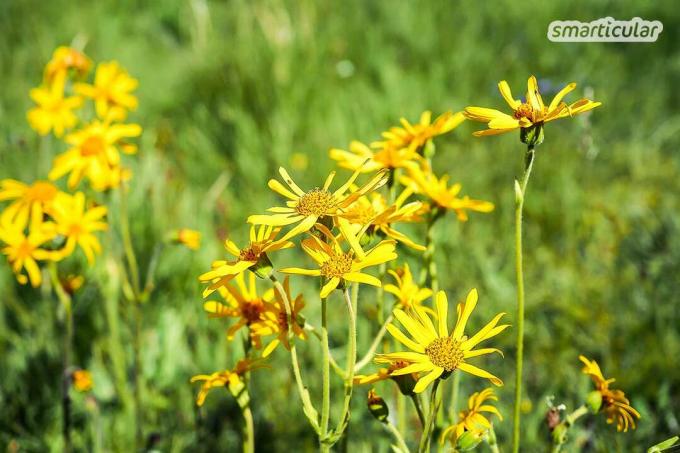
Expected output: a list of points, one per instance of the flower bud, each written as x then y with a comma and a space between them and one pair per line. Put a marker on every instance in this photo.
468, 441
533, 135
263, 267
594, 401
377, 406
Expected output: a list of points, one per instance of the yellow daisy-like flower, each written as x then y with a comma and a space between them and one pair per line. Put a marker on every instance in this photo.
363, 159
262, 240
63, 59
189, 238
615, 405
442, 195
529, 113
77, 224
23, 251
375, 214
436, 351
337, 266
407, 292
95, 155
472, 420
306, 208
54, 111
24, 197
82, 381
243, 303
414, 136
275, 320
112, 89
231, 379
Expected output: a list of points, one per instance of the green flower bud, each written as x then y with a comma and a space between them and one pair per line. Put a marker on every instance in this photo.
264, 267
377, 406
594, 401
468, 441
532, 136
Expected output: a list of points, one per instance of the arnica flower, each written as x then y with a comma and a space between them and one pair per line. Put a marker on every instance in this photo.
614, 403
275, 320
337, 266
231, 379
94, 154
243, 303
188, 238
363, 159
472, 420
63, 59
414, 136
252, 256
531, 112
434, 350
82, 380
407, 291
442, 195
377, 217
23, 251
24, 197
77, 223
306, 208
112, 90
406, 382
53, 110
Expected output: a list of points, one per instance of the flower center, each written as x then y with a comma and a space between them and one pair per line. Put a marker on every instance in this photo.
250, 253
316, 202
41, 191
282, 319
445, 353
24, 250
252, 310
337, 265
524, 111
92, 146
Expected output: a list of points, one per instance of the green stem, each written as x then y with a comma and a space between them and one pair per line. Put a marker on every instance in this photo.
351, 358
520, 195
455, 392
559, 434
366, 359
326, 378
492, 441
397, 436
308, 407
419, 409
67, 345
429, 272
429, 423
336, 368
248, 430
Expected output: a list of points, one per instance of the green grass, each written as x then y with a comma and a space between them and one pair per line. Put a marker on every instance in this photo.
229, 91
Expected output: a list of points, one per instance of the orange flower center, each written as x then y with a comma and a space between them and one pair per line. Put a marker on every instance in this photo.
316, 202
252, 310
24, 250
337, 265
524, 111
41, 191
92, 146
445, 353
250, 253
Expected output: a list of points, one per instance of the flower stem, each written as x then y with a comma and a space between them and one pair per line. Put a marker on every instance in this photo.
560, 431
419, 409
351, 302
429, 423
455, 391
308, 407
248, 430
67, 345
429, 272
326, 378
520, 192
366, 359
397, 436
491, 440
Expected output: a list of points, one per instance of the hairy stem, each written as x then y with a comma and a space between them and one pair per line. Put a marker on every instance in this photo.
429, 423
326, 378
351, 358
366, 359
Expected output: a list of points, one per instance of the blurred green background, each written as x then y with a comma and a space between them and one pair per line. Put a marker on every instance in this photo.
231, 90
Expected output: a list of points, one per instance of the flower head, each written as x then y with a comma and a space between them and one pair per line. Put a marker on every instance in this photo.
63, 59
435, 351
77, 223
365, 160
112, 90
53, 110
414, 136
614, 405
337, 266
473, 420
189, 238
82, 380
252, 256
528, 113
24, 197
231, 379
407, 292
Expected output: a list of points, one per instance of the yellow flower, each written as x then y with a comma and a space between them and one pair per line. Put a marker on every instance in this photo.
338, 267
383, 374
361, 158
77, 224
407, 292
231, 379
24, 196
414, 136
615, 405
306, 208
63, 59
375, 213
262, 240
95, 154
23, 251
275, 320
111, 90
82, 380
437, 189
472, 420
54, 111
433, 349
526, 114
189, 238
243, 303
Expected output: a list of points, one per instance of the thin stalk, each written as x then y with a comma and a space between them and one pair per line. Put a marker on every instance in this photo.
366, 359
492, 441
397, 436
307, 405
520, 195
337, 368
67, 346
248, 430
351, 302
429, 423
429, 272
326, 378
455, 392
419, 409
560, 432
